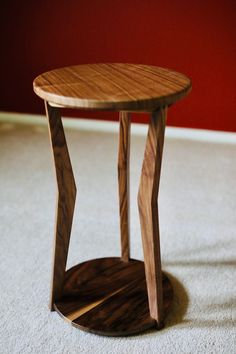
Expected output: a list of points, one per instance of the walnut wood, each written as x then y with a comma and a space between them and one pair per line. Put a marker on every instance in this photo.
148, 211
65, 200
112, 296
123, 178
108, 296
126, 87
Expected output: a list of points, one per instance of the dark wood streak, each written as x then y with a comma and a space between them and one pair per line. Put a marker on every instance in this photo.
123, 178
65, 200
172, 77
164, 82
113, 81
148, 211
144, 82
119, 306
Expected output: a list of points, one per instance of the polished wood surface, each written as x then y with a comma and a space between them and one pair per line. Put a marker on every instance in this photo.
148, 211
123, 179
128, 87
65, 200
112, 296
109, 297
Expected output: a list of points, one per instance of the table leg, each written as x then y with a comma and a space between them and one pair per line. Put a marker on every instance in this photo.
123, 178
65, 200
148, 211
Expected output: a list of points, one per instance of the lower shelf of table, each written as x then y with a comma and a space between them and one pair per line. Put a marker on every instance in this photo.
107, 296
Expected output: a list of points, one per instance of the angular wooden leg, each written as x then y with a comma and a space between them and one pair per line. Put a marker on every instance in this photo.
123, 178
148, 211
66, 200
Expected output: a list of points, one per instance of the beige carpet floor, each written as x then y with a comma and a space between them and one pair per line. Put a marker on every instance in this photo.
198, 240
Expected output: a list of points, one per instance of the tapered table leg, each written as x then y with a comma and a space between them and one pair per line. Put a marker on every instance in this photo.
123, 178
148, 211
65, 200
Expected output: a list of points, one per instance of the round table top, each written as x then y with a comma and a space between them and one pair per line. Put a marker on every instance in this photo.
128, 87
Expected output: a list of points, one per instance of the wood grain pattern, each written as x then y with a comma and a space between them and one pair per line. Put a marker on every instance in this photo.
108, 296
65, 200
112, 296
148, 211
127, 87
123, 179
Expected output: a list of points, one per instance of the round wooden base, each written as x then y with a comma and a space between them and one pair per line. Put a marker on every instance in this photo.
109, 297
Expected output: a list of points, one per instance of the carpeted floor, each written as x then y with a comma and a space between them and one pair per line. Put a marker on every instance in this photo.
198, 240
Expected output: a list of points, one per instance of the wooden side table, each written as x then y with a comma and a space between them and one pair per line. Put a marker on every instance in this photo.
112, 296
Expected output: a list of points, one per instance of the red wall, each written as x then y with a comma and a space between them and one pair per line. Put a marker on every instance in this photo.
197, 38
